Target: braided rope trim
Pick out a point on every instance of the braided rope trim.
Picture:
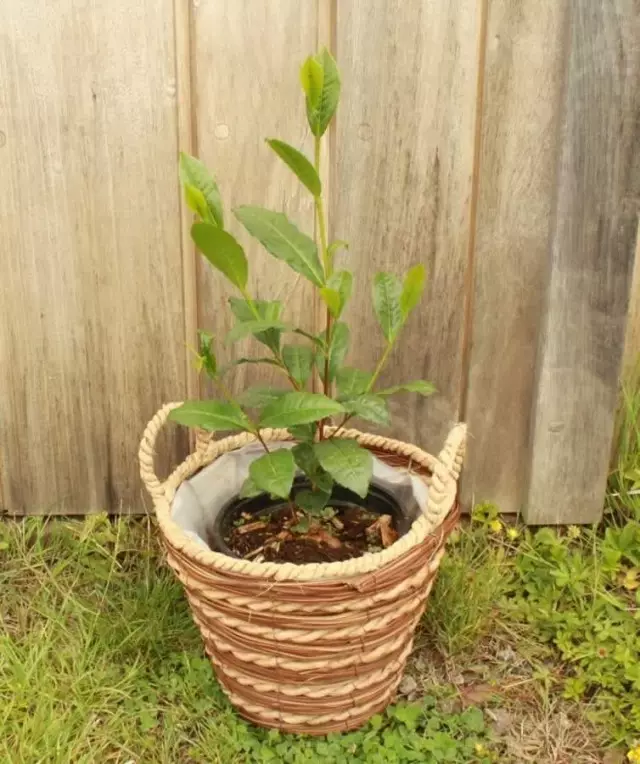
(442, 490)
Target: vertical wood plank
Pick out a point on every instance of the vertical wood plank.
(591, 258)
(525, 58)
(91, 329)
(402, 186)
(247, 59)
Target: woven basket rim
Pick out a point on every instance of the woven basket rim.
(442, 482)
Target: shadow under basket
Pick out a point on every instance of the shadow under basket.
(313, 648)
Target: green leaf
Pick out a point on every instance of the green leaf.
(386, 302)
(311, 78)
(245, 328)
(249, 489)
(222, 251)
(320, 113)
(339, 347)
(257, 397)
(352, 381)
(337, 292)
(206, 354)
(299, 408)
(193, 173)
(307, 461)
(268, 310)
(417, 386)
(211, 415)
(368, 406)
(412, 289)
(299, 164)
(299, 361)
(303, 432)
(273, 473)
(347, 462)
(302, 526)
(332, 300)
(283, 240)
(313, 501)
(196, 202)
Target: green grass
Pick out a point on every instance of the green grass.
(100, 662)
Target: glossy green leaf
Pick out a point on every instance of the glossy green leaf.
(307, 461)
(313, 501)
(273, 473)
(311, 78)
(305, 433)
(337, 292)
(245, 328)
(320, 114)
(417, 386)
(412, 288)
(352, 381)
(197, 203)
(299, 164)
(211, 415)
(368, 406)
(386, 302)
(283, 240)
(222, 251)
(299, 362)
(257, 397)
(194, 173)
(348, 463)
(299, 408)
(266, 309)
(206, 353)
(339, 347)
(249, 489)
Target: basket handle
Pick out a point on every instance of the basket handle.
(147, 450)
(452, 453)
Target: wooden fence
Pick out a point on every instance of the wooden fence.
(494, 140)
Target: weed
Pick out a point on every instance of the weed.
(472, 578)
(581, 595)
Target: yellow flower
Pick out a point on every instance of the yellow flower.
(634, 754)
(630, 580)
(481, 750)
(574, 532)
(513, 533)
(495, 526)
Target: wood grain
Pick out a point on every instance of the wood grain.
(247, 58)
(402, 186)
(591, 259)
(91, 328)
(523, 81)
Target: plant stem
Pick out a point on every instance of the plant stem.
(326, 261)
(380, 366)
(255, 430)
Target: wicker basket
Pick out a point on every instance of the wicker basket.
(312, 648)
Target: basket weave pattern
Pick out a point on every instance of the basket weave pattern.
(314, 648)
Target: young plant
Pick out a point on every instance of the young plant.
(319, 453)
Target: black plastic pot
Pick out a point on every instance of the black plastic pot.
(378, 501)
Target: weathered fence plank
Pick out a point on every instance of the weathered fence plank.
(91, 329)
(591, 259)
(402, 186)
(525, 61)
(246, 60)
